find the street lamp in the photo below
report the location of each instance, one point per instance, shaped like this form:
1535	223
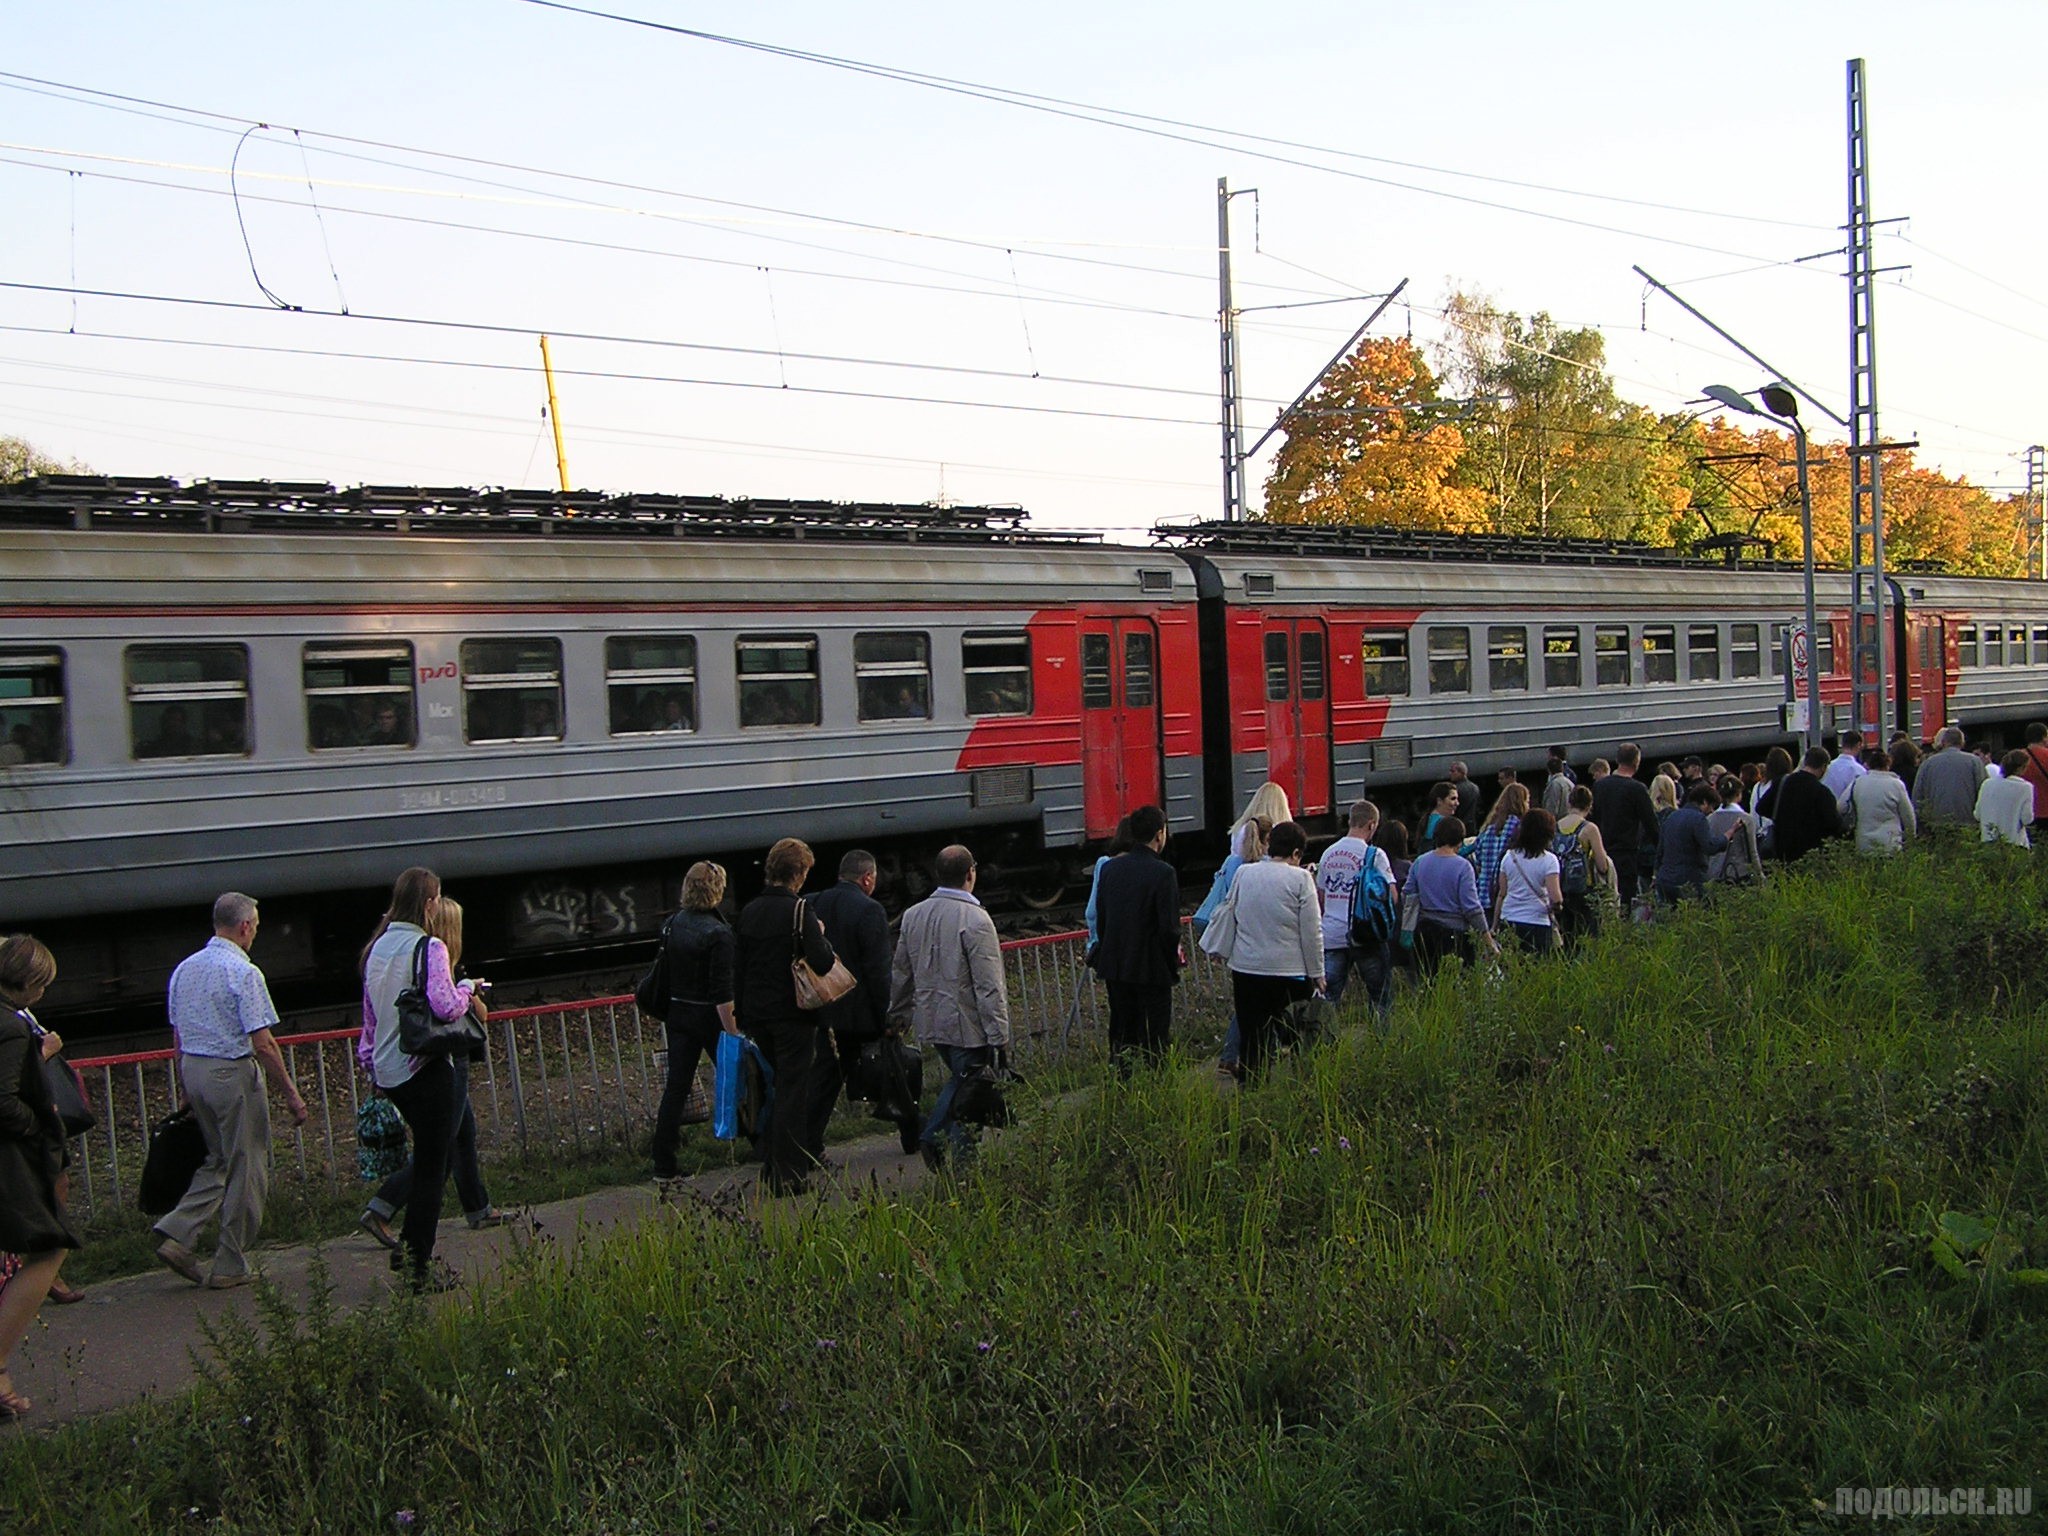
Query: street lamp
1779	403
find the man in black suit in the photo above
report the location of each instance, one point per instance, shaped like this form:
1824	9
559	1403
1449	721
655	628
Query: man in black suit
1805	815
1627	820
1138	953
859	930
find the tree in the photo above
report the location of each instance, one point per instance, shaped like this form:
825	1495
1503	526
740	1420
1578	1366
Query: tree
19	459
1369	445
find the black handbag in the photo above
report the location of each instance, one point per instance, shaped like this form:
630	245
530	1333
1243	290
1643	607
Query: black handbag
889	1073
652	996
176	1149
67	1092
421	1031
981	1099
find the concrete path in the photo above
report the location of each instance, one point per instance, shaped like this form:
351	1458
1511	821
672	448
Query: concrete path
134	1337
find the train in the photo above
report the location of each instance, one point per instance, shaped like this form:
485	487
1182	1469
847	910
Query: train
558	700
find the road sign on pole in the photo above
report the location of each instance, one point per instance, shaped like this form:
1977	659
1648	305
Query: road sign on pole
1801	645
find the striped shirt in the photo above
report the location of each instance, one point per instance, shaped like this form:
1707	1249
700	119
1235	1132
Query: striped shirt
218	999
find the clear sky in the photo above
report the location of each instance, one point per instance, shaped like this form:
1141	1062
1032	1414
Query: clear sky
928	293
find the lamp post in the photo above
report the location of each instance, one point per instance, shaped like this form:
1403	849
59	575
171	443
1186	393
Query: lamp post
1781	404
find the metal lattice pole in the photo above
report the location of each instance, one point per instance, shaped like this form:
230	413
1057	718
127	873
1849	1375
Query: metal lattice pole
1869	679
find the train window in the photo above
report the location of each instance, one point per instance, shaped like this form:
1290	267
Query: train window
1450	660
1994	645
1825	651
2016	645
1966	645
2040	644
188	700
1703	654
1138	669
651	683
31	707
1313	671
1561	666
1610	657
1386	664
1660	654
1096	690
511	690
997	665
358	694
1743	657
778	678
1276	664
893	675
1779	634
1507	658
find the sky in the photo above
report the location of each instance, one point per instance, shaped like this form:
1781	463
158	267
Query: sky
775	276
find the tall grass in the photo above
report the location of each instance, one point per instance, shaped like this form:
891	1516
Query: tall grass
1643	1241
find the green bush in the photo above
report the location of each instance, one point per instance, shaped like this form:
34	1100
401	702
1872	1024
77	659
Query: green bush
1640	1241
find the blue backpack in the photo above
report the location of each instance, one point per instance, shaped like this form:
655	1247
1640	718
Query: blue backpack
1375	919
1571	863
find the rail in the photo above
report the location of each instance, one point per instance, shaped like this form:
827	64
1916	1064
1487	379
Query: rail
559	1081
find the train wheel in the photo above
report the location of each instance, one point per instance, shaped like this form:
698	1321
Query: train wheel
1041	889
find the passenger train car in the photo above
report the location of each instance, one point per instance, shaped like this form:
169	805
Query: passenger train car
557	701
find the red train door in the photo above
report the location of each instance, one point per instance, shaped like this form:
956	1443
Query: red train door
1928	711
1298	712
1120	736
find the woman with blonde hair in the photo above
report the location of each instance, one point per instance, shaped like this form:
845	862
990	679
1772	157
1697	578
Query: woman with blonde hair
444	922
1268	804
32	1156
1663	797
700	948
773	928
1496	837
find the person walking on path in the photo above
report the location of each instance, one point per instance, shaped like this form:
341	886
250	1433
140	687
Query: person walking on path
1139	955
858	930
221	1022
1254	842
1531	898
1495	838
1687	847
700	991
33	1152
1275	948
948	989
1879	806
2036	772
1627	822
1803	813
773	928
1945	789
444	923
1467	792
2005	805
1742	864
399	954
1338	872
1846	769
1585	872
1558	785
1447	897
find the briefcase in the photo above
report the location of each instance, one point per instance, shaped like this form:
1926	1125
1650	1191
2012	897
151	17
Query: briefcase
176	1149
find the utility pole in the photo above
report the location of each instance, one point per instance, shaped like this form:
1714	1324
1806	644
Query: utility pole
2034	510
1869	677
1226	317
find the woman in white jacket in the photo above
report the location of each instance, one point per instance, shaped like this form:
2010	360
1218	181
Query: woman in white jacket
1275	948
1880	806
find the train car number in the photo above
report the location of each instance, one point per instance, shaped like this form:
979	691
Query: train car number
448	797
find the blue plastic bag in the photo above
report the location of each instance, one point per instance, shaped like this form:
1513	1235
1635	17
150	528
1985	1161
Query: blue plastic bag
742	1089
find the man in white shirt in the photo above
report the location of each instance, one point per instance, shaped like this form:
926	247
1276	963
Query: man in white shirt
1846	769
1337	875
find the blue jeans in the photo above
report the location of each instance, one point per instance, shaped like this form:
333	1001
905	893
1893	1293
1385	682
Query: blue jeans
960	1060
1374	969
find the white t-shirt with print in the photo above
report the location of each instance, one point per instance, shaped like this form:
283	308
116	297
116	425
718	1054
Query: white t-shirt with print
1336	876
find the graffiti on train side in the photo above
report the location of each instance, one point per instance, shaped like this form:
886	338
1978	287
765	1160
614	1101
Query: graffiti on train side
552	911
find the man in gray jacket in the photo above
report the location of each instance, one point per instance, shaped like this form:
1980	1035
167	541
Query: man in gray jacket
1945	787
947	985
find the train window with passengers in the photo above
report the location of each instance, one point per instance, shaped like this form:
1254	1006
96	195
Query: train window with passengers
188	700
1561	659
651	683
1450	659
1610	656
31	707
2016	645
1385	656
778	677
893	673
511	690
1507	658
1660	653
358	694
996	665
1744	659
1966	645
1703	653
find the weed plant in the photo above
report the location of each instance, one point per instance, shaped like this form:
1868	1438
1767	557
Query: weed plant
1640	1241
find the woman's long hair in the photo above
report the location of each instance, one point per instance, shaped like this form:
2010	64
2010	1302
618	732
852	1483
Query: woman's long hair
445	924
1268	804
1513	801
411	893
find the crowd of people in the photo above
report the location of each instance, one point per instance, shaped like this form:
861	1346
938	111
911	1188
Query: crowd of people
1538	871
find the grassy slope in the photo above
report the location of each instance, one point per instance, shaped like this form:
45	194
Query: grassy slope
1632	1243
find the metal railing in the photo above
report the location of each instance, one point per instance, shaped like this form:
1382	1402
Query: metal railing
560	1081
